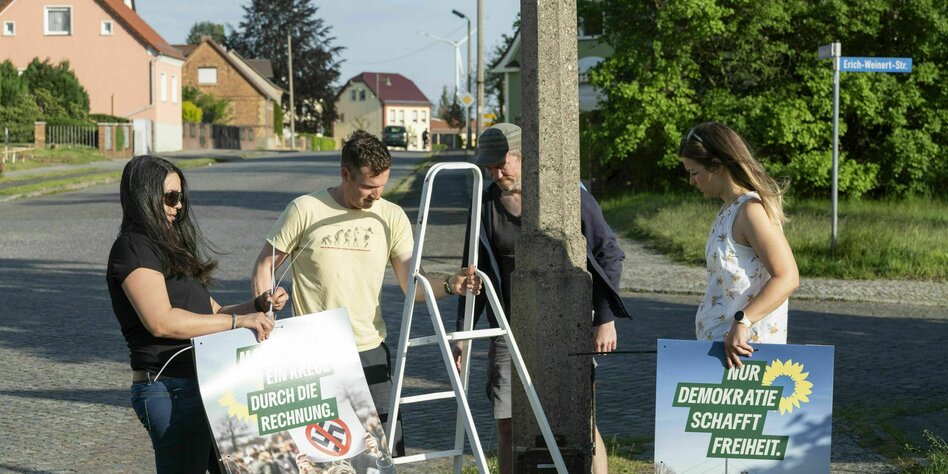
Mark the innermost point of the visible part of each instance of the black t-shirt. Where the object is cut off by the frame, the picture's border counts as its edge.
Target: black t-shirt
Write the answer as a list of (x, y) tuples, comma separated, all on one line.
[(132, 251), (504, 241)]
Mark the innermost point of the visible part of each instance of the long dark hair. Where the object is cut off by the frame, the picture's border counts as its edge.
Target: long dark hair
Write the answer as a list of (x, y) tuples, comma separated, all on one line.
[(181, 243), (712, 141)]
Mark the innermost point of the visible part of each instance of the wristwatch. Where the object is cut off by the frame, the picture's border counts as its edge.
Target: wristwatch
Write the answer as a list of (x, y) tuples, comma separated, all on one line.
[(741, 318)]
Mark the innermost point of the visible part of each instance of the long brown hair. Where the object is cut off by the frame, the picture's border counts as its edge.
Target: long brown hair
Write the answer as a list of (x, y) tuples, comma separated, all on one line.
[(712, 144)]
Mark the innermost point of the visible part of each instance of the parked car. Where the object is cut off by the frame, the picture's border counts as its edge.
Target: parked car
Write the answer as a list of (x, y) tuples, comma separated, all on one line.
[(395, 135)]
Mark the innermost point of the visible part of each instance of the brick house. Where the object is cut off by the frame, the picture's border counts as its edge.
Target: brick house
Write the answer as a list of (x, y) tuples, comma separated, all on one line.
[(127, 68), (372, 100), (225, 74)]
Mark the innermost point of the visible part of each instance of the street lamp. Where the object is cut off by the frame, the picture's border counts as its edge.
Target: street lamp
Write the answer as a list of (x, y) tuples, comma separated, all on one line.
[(464, 17)]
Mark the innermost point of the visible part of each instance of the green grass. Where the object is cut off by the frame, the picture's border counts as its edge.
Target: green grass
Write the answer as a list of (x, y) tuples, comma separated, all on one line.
[(54, 186), (876, 428), (54, 156), (905, 239), (46, 175)]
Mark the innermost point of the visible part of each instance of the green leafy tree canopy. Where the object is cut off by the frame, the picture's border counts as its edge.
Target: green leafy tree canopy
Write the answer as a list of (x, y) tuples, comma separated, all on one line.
[(753, 66), (450, 109), (263, 34), (207, 28)]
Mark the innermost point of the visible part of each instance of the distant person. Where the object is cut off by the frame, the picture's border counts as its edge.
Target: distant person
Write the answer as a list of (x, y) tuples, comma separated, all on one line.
[(499, 152), (424, 138), (751, 270), (347, 274), (158, 274)]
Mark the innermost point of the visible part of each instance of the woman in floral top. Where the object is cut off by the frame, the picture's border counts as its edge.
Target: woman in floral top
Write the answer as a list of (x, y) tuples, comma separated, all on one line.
[(751, 270)]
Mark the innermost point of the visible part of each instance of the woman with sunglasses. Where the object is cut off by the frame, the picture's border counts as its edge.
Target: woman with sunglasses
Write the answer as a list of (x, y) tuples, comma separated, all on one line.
[(751, 270), (158, 275)]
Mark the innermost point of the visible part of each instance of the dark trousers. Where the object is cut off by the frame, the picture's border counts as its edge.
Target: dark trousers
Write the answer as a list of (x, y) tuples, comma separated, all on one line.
[(377, 366)]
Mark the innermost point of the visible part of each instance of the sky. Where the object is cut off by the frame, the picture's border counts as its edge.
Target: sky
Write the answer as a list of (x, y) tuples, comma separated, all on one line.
[(378, 36)]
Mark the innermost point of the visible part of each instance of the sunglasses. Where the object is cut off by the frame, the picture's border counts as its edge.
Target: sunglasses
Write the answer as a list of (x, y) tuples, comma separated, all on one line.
[(172, 198)]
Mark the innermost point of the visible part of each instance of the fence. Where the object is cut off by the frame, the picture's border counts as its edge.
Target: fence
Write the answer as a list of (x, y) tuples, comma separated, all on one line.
[(16, 134), (223, 137), (114, 140), (73, 135)]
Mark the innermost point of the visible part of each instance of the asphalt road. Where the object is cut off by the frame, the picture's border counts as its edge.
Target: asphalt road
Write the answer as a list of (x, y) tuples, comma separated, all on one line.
[(63, 363)]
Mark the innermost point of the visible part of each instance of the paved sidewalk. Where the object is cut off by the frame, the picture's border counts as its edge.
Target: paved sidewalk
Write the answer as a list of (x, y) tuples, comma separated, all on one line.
[(649, 271)]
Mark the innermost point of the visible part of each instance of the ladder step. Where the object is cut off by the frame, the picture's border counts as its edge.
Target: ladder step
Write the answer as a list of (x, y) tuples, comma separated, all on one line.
[(426, 456), (427, 397), (457, 336)]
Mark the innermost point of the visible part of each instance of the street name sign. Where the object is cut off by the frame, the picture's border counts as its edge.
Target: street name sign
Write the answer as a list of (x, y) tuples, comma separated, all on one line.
[(857, 64)]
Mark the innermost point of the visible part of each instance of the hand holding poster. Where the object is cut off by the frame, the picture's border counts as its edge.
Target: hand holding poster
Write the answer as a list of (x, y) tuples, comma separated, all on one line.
[(773, 413), (298, 400)]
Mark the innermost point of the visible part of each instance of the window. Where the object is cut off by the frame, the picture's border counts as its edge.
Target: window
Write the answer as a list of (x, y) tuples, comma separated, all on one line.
[(353, 94), (361, 95), (207, 75), (174, 88), (591, 24), (106, 28), (401, 117), (9, 28), (163, 84), (424, 116), (414, 116), (58, 20), (391, 116)]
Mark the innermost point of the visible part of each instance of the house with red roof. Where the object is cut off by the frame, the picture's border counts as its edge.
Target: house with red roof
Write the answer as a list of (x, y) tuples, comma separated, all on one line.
[(373, 100), (127, 68)]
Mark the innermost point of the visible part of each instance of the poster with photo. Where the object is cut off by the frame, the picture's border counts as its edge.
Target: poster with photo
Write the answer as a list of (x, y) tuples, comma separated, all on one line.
[(775, 414), (297, 402)]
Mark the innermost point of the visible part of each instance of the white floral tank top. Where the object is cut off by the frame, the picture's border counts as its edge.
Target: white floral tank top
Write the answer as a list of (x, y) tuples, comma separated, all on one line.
[(735, 276)]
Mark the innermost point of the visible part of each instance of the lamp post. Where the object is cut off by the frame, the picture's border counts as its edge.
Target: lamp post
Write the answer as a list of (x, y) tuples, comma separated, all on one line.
[(463, 16)]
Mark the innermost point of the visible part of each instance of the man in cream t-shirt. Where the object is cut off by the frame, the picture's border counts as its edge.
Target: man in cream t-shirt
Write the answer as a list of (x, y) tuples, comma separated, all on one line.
[(340, 240)]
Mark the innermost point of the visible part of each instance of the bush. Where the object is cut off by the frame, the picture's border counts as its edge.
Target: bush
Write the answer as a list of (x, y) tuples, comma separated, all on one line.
[(106, 118), (190, 112), (322, 143), (277, 118), (119, 138)]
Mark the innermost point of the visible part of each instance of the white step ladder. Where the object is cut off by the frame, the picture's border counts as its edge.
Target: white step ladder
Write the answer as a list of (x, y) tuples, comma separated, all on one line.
[(459, 381)]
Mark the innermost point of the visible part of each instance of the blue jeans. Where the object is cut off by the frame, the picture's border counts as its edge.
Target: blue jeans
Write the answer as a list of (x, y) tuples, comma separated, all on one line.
[(170, 409)]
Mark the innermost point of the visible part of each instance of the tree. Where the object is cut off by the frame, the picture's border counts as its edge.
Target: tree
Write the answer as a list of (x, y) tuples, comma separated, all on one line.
[(450, 110), (752, 65), (207, 28), (63, 95), (263, 34)]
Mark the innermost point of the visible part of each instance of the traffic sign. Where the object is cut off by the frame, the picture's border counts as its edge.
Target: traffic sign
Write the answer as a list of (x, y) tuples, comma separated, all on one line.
[(828, 51), (854, 64), (467, 100)]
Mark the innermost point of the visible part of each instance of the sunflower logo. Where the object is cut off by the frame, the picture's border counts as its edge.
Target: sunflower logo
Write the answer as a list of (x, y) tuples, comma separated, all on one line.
[(802, 388)]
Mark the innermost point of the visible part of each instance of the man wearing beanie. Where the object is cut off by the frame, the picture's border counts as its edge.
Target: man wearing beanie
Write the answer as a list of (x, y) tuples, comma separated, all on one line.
[(499, 153)]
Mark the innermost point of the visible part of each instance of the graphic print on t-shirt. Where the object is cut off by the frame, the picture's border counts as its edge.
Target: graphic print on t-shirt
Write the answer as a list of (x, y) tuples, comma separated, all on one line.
[(355, 237)]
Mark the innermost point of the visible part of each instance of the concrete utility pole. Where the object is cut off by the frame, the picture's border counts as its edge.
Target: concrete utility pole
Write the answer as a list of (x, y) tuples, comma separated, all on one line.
[(551, 293), (480, 68), (289, 56)]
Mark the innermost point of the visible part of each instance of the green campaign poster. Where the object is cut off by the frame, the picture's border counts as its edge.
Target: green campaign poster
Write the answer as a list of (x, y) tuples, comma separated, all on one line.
[(772, 415)]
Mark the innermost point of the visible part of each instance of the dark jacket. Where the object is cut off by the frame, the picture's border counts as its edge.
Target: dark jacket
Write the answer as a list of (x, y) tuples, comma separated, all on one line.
[(603, 260)]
